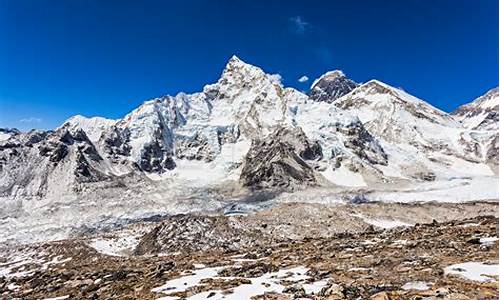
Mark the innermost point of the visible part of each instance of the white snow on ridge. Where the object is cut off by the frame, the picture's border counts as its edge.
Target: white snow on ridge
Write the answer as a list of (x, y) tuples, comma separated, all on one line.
[(93, 126), (329, 74), (472, 114)]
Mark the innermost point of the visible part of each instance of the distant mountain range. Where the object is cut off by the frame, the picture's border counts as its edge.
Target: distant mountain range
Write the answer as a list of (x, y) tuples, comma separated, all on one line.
[(248, 130)]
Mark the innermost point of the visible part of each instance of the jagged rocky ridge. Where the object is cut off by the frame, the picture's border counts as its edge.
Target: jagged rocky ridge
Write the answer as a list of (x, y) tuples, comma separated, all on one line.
[(247, 127)]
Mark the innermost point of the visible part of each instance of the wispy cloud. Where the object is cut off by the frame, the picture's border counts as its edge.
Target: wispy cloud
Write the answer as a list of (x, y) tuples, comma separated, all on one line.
[(304, 78), (299, 25), (31, 120), (276, 78), (324, 54), (316, 38)]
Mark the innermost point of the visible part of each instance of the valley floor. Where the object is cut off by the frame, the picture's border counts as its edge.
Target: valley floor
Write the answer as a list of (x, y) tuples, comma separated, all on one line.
[(293, 250)]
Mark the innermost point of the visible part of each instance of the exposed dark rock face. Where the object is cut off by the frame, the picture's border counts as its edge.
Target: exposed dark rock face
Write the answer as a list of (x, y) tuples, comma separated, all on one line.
[(274, 162), (492, 152), (115, 143), (85, 172), (363, 144), (331, 86), (298, 140), (156, 159), (194, 148)]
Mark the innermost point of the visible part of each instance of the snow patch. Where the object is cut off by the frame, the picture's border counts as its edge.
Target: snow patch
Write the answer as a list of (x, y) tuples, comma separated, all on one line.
[(488, 240), (269, 282), (114, 246), (383, 223), (343, 176), (476, 271), (58, 298), (417, 285)]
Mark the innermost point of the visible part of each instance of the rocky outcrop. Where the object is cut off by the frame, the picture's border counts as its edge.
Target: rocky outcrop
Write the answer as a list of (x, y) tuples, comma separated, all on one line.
[(363, 144), (199, 233), (492, 151), (274, 162), (295, 137)]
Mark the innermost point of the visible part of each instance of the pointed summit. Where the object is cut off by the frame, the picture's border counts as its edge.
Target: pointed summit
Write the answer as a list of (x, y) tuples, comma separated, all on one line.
[(330, 75), (237, 67), (331, 86), (235, 61), (234, 58)]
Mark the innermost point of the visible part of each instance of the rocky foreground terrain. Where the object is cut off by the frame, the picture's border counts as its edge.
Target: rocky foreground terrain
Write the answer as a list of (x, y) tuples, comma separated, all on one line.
[(291, 251)]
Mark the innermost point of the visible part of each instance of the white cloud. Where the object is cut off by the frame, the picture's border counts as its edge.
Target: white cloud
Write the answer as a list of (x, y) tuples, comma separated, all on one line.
[(276, 78), (299, 25), (304, 78), (31, 120)]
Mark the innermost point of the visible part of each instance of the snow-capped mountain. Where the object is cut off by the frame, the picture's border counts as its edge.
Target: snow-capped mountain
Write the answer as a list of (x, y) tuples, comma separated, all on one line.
[(93, 127), (480, 114), (418, 138), (247, 128), (330, 86)]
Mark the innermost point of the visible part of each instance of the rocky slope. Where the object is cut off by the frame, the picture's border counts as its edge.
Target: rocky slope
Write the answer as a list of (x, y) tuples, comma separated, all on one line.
[(278, 161), (194, 257)]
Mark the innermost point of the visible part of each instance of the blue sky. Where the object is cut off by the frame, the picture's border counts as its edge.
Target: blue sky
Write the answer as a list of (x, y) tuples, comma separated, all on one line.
[(92, 57)]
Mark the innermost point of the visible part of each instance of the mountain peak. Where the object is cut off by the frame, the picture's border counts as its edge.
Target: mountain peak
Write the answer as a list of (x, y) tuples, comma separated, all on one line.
[(330, 75), (480, 114), (331, 86), (378, 86), (234, 58), (236, 61)]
